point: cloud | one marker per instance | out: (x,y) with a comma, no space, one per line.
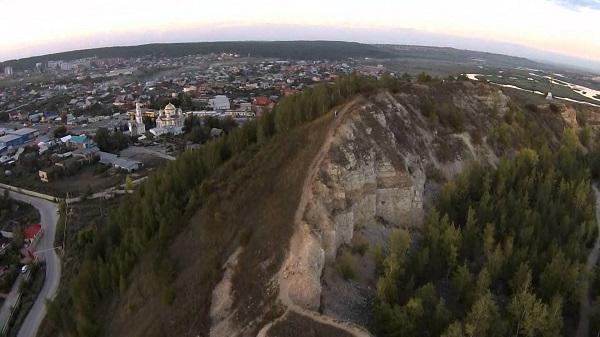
(576,4)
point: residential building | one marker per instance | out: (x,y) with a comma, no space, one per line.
(219,103)
(8,71)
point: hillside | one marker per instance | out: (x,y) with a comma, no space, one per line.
(275,49)
(289,234)
(309,50)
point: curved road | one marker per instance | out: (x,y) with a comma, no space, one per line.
(49,217)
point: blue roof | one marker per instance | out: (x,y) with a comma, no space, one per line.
(78,139)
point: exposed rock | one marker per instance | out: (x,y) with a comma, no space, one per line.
(221,314)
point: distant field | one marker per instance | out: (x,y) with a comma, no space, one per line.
(539,83)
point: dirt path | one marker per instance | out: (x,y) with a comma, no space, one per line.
(583,329)
(284,283)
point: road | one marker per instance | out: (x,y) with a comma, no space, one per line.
(584,307)
(49,218)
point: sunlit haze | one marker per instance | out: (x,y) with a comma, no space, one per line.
(563,27)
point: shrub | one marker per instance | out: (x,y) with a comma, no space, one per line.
(360,245)
(426,105)
(435,174)
(345,267)
(531,107)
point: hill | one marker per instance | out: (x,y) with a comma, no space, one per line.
(275,49)
(297,224)
(334,50)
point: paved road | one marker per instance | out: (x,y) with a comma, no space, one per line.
(49,217)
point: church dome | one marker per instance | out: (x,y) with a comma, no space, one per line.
(170,109)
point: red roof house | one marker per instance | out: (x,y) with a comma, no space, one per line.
(261,100)
(33,231)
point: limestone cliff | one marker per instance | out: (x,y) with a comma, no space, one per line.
(381,164)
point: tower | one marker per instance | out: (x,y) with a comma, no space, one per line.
(139,119)
(137,126)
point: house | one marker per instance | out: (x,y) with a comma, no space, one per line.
(45,175)
(27,134)
(88,153)
(107,158)
(34,118)
(11,140)
(219,103)
(261,100)
(119,163)
(18,115)
(33,232)
(79,142)
(127,164)
(49,115)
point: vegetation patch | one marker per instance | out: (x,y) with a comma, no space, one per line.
(501,254)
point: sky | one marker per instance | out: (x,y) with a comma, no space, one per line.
(518,27)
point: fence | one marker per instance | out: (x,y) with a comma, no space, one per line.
(28,192)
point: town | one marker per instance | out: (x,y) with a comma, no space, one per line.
(54,117)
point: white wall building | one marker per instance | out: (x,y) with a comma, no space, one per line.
(219,103)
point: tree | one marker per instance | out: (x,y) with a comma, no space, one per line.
(484,318)
(60,131)
(102,139)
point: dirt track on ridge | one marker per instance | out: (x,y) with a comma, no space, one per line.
(284,283)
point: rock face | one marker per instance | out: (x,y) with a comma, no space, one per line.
(381,166)
(372,179)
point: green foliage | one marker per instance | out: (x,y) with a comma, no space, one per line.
(503,249)
(585,135)
(60,131)
(424,77)
(360,245)
(345,266)
(110,142)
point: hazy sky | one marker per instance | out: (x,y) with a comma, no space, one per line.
(570,27)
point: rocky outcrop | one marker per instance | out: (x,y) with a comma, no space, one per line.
(221,312)
(372,179)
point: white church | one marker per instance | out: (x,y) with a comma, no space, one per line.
(169,121)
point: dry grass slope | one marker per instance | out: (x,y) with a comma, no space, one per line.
(252,203)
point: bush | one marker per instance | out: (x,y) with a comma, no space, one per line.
(360,245)
(426,105)
(435,174)
(531,107)
(345,267)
